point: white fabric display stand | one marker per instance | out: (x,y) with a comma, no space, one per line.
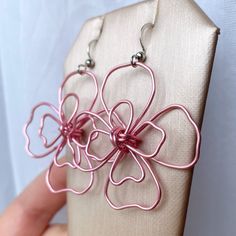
(180,50)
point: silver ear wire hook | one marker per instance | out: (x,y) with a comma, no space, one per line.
(144,27)
(90,63)
(141,56)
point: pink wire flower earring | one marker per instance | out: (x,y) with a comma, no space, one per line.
(125,137)
(69,129)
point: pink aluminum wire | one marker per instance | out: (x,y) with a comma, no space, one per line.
(70,132)
(125,139)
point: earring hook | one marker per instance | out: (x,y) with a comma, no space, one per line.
(141,56)
(144,27)
(90,62)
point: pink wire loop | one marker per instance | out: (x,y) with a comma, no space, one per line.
(152,94)
(54,190)
(197,134)
(119,157)
(135,205)
(70,132)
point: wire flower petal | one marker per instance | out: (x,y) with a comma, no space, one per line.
(116,162)
(148,125)
(136,205)
(197,134)
(49,147)
(70,132)
(72,190)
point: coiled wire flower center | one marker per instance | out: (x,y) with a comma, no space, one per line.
(121,139)
(70,131)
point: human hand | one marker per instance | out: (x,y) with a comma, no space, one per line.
(31,212)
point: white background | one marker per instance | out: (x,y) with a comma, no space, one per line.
(35,37)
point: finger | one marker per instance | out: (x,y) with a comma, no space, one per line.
(56,230)
(30,213)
